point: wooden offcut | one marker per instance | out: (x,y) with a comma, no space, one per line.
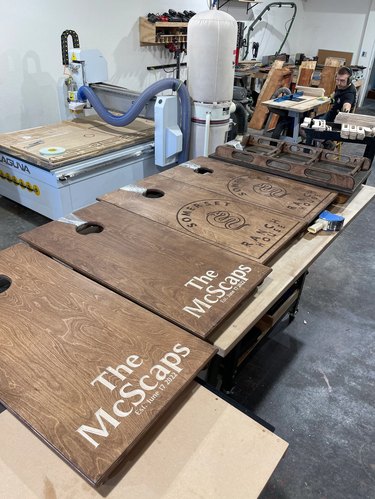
(272,83)
(163,270)
(246,229)
(82,138)
(284,195)
(328,81)
(83,368)
(305,73)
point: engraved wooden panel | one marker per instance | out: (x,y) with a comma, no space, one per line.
(181,278)
(82,138)
(284,195)
(246,229)
(311,165)
(85,369)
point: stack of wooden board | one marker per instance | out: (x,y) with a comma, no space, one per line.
(89,360)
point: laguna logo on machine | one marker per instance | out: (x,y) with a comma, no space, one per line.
(14,164)
(212,293)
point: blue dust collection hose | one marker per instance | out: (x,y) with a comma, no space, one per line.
(86,92)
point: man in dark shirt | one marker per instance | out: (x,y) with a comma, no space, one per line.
(345,95)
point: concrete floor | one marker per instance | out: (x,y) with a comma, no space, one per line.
(314,380)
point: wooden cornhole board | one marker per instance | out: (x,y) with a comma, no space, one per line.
(85,369)
(82,138)
(183,279)
(244,228)
(202,447)
(284,195)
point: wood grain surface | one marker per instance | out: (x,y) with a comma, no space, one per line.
(76,355)
(327,169)
(243,228)
(82,138)
(188,281)
(284,195)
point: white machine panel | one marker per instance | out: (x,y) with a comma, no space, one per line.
(59,192)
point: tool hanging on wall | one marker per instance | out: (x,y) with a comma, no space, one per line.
(259,18)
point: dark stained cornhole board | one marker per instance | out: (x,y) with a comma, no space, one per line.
(281,194)
(312,165)
(82,139)
(188,281)
(85,369)
(244,228)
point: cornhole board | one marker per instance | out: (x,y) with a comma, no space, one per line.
(185,454)
(183,279)
(284,195)
(81,139)
(244,228)
(85,369)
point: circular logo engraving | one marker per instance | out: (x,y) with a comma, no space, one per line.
(224,219)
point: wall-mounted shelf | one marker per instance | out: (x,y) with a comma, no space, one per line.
(161,33)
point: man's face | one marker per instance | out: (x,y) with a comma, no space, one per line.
(342,81)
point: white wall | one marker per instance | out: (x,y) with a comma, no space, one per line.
(30,50)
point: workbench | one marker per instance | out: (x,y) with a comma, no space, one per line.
(286,280)
(295,109)
(182,456)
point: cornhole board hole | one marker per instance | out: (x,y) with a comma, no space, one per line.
(246,229)
(85,369)
(284,195)
(183,279)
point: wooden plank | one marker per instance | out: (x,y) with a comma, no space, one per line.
(184,455)
(356,119)
(305,73)
(328,81)
(82,139)
(59,333)
(161,269)
(244,228)
(284,195)
(311,91)
(272,83)
(336,54)
(286,269)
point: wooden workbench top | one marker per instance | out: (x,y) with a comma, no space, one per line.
(203,448)
(289,265)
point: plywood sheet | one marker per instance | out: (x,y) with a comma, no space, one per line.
(85,369)
(182,456)
(284,195)
(186,280)
(323,54)
(244,228)
(82,139)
